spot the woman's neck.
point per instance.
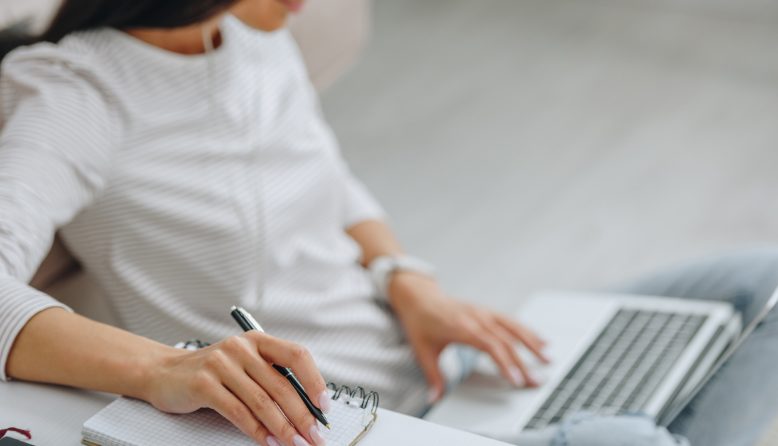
(187, 40)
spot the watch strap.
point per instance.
(382, 268)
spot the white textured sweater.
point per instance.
(187, 184)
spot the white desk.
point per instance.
(55, 416)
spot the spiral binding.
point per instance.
(368, 402)
(366, 399)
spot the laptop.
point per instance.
(611, 354)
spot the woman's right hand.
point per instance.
(235, 378)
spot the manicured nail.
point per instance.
(325, 403)
(273, 441)
(317, 437)
(299, 441)
(515, 375)
(433, 395)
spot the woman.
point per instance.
(177, 147)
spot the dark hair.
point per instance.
(78, 15)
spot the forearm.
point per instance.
(233, 377)
(60, 347)
(375, 238)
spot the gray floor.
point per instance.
(528, 144)
(531, 144)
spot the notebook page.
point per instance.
(129, 422)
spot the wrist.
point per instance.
(384, 269)
(151, 367)
(406, 289)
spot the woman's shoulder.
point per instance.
(75, 62)
(77, 52)
(56, 85)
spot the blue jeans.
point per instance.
(741, 400)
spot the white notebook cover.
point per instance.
(129, 422)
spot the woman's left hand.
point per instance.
(432, 321)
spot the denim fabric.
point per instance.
(585, 429)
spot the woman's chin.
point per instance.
(266, 16)
(292, 6)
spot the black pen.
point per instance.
(248, 323)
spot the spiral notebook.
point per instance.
(129, 422)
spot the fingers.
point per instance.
(488, 332)
(516, 364)
(268, 396)
(264, 408)
(521, 333)
(284, 395)
(297, 358)
(487, 342)
(428, 360)
(231, 408)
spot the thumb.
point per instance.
(428, 360)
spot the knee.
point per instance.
(745, 278)
(740, 277)
(591, 430)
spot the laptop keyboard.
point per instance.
(623, 366)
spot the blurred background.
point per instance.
(532, 144)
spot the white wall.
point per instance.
(531, 144)
(40, 11)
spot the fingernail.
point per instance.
(433, 395)
(299, 441)
(317, 437)
(515, 376)
(325, 403)
(273, 441)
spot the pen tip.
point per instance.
(328, 426)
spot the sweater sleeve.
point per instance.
(361, 205)
(57, 135)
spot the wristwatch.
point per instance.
(382, 268)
